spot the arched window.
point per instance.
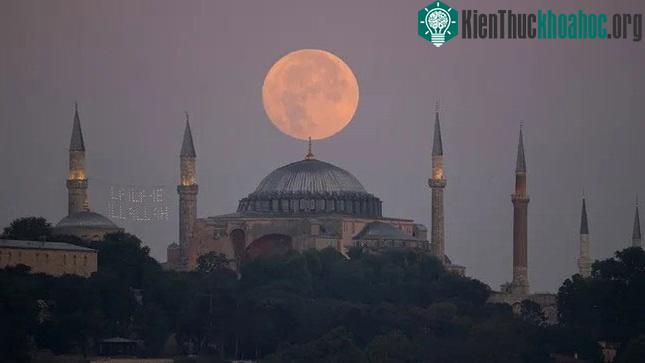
(74, 260)
(84, 260)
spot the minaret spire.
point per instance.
(77, 200)
(520, 165)
(636, 232)
(187, 147)
(520, 199)
(310, 154)
(584, 224)
(584, 259)
(437, 184)
(76, 143)
(437, 144)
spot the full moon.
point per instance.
(310, 93)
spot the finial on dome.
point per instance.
(310, 154)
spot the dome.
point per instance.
(310, 176)
(311, 186)
(86, 219)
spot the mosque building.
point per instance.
(306, 204)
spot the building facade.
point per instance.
(52, 258)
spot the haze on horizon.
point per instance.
(135, 67)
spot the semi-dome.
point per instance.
(311, 186)
(86, 219)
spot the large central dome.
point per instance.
(310, 176)
(311, 186)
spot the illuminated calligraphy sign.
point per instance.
(137, 203)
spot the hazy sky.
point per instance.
(135, 66)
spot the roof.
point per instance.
(584, 225)
(33, 245)
(381, 230)
(636, 233)
(77, 143)
(521, 160)
(437, 144)
(309, 176)
(187, 146)
(86, 219)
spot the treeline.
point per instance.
(314, 306)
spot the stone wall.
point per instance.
(51, 262)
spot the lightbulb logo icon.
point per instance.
(438, 23)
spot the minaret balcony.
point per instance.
(437, 183)
(77, 183)
(187, 189)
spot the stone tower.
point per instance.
(187, 190)
(584, 259)
(437, 184)
(520, 199)
(636, 232)
(77, 175)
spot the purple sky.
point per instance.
(135, 66)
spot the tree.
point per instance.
(336, 346)
(212, 261)
(609, 305)
(392, 347)
(28, 229)
(634, 351)
(531, 312)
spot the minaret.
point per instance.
(437, 183)
(636, 232)
(584, 259)
(520, 201)
(187, 190)
(77, 176)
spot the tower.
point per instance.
(636, 232)
(77, 175)
(584, 259)
(520, 201)
(187, 190)
(437, 184)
